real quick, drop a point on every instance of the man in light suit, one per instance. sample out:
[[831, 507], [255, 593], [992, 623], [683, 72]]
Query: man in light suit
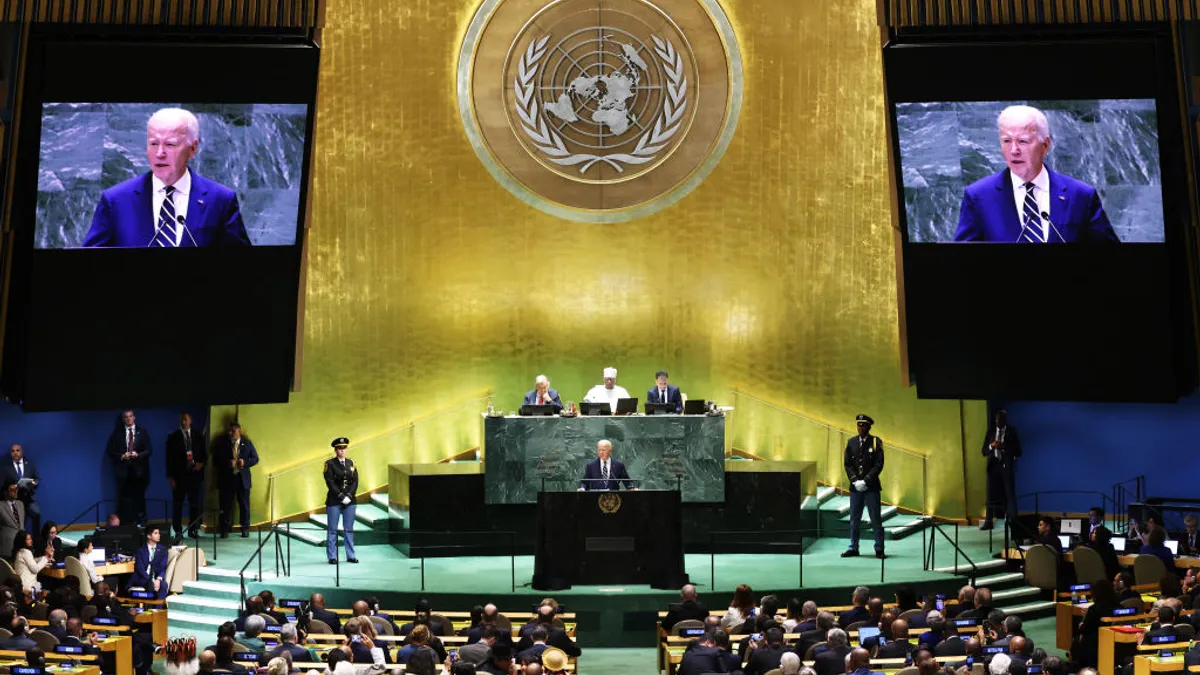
[[21, 467], [1011, 206], [170, 206], [150, 565], [663, 392], [232, 458], [12, 517], [604, 472], [129, 448], [542, 394]]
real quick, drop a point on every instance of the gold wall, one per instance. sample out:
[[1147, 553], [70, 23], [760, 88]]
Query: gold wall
[[427, 282]]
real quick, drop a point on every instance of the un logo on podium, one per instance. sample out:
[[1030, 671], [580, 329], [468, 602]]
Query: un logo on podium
[[600, 110], [609, 503]]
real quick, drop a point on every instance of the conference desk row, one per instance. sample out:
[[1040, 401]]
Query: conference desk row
[[1067, 614], [1126, 559]]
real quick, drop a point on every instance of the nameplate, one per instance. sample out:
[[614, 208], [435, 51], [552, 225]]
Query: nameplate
[[608, 544]]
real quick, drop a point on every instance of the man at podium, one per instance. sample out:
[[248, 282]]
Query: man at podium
[[604, 472]]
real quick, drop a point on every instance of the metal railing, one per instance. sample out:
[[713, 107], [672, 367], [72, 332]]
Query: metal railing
[[759, 427], [1122, 497], [930, 547], [283, 559]]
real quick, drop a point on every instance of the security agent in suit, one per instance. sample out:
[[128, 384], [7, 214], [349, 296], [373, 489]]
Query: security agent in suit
[[542, 394], [341, 486], [663, 392], [864, 462], [1189, 541], [1002, 447], [186, 457], [233, 456], [21, 467], [12, 517], [129, 448], [604, 472]]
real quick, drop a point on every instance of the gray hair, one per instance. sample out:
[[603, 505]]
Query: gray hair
[[1000, 663], [287, 633], [278, 666], [861, 594], [542, 379], [825, 619], [1024, 115], [57, 617], [809, 608], [836, 637], [604, 441], [254, 625], [790, 663], [176, 116]]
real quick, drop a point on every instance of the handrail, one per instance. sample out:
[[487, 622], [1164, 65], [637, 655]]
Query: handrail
[[308, 463], [257, 554], [1121, 501], [1037, 496], [827, 425], [96, 507], [937, 522]]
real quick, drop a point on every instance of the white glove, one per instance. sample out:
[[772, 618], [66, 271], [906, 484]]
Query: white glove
[[345, 501], [860, 485]]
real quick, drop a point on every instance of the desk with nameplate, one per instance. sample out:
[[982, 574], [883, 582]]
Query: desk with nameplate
[[107, 569]]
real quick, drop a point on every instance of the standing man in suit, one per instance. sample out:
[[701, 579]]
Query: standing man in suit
[[129, 448], [169, 206], [186, 457], [604, 472], [542, 394], [341, 487], [663, 392], [1189, 541], [22, 469], [233, 457], [12, 517], [1012, 206], [150, 565], [864, 462], [1002, 447]]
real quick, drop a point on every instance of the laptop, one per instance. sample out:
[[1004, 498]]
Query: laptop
[[1070, 526], [660, 408], [626, 406], [594, 408], [99, 555], [1173, 545], [1119, 545], [535, 410], [1065, 540], [865, 632], [695, 407]]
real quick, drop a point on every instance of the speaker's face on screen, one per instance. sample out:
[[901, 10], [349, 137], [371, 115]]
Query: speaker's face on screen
[[169, 150], [1023, 151]]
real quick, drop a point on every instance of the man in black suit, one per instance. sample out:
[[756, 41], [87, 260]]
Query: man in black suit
[[316, 610], [832, 661], [900, 646], [983, 605], [233, 456], [491, 616], [766, 657], [687, 609], [703, 658], [20, 640], [864, 462], [1189, 541], [287, 645], [858, 612], [75, 637], [604, 472], [825, 622], [966, 601], [22, 469], [663, 392], [1165, 625], [556, 637], [186, 457], [1045, 534], [1002, 447], [953, 645], [129, 448]]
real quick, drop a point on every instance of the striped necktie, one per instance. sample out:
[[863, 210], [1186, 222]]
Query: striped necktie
[[167, 232], [1033, 221]]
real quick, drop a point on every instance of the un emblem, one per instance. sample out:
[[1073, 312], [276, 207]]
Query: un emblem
[[600, 110], [609, 503]]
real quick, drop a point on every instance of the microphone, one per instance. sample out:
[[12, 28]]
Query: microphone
[[1046, 217], [182, 220]]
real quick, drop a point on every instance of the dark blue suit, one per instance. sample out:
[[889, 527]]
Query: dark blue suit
[[673, 396], [592, 479], [124, 216], [989, 211], [232, 484], [531, 398], [145, 570]]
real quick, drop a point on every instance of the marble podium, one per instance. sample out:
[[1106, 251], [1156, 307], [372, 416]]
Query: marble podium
[[659, 451]]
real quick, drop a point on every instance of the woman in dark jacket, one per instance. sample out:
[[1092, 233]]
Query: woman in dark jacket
[[1086, 648], [1101, 542]]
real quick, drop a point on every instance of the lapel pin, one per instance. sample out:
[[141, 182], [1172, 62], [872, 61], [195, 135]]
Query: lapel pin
[[201, 201], [1060, 197]]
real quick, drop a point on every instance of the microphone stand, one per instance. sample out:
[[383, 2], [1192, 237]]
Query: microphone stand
[[1051, 224]]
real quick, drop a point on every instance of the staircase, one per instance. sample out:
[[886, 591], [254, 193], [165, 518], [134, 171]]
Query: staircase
[[212, 599], [371, 524], [835, 515]]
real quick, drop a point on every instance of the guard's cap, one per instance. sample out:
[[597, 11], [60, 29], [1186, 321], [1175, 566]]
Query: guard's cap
[[863, 419], [340, 442]]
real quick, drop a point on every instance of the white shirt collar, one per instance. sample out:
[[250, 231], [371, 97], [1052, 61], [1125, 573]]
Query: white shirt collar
[[183, 186], [1040, 181]]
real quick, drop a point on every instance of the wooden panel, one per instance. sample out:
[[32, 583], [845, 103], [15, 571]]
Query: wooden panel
[[925, 13], [236, 13]]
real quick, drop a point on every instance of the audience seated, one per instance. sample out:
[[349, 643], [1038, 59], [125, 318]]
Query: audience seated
[[952, 644], [75, 637], [224, 653], [1020, 648], [476, 653], [766, 657], [789, 664], [805, 620], [899, 646], [825, 622], [252, 627], [288, 639], [500, 661], [490, 618], [254, 607], [25, 565], [858, 611], [740, 608], [418, 640], [317, 610], [858, 662], [557, 637], [1154, 546], [476, 620], [1087, 640], [983, 605], [20, 640], [832, 661], [269, 608], [703, 657], [937, 629], [1165, 624], [687, 609], [533, 653], [966, 601], [973, 650], [372, 604]]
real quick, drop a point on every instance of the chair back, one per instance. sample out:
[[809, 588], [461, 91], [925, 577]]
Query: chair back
[[76, 569], [1148, 569], [6, 569], [1089, 567], [447, 624], [1136, 603], [319, 627], [271, 621], [808, 655], [45, 641], [381, 627], [40, 611], [5, 633], [677, 629], [855, 626], [239, 647], [87, 613], [909, 612], [1041, 568], [185, 568], [503, 623]]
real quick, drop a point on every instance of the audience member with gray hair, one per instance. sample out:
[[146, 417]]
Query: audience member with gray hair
[[789, 664], [832, 660], [252, 629], [288, 647], [999, 664]]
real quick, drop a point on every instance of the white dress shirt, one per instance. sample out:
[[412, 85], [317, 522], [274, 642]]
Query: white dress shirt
[[600, 394], [1041, 193], [86, 561], [183, 187]]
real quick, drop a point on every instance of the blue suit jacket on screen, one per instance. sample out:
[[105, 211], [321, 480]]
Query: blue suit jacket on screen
[[592, 480], [531, 398], [673, 396], [989, 211], [124, 218]]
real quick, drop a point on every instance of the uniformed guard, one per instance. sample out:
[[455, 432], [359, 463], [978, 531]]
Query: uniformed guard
[[341, 483], [864, 463]]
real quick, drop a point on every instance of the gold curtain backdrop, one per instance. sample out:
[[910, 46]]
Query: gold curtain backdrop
[[428, 282]]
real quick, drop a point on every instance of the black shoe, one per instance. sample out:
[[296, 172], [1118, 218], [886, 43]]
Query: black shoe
[[245, 534], [880, 554], [332, 561], [852, 553], [985, 525], [352, 560]]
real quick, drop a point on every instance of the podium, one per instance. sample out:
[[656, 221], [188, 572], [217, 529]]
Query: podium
[[592, 538]]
